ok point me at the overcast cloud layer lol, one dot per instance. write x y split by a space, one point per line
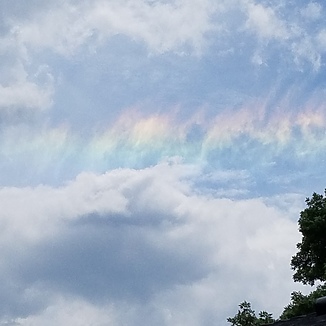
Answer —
155 156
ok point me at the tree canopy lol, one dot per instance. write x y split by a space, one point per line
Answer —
302 304
309 263
246 316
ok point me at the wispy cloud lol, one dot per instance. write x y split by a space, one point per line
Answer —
249 135
163 26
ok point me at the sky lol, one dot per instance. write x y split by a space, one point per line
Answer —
155 156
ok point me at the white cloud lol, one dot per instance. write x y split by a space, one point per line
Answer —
184 27
20 86
25 95
162 26
132 236
62 28
312 11
305 50
257 59
292 34
68 28
176 26
264 22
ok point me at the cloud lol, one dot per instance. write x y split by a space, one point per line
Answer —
139 236
176 26
162 26
248 139
24 95
71 312
306 49
70 32
294 35
321 40
264 21
151 175
312 11
70 29
20 86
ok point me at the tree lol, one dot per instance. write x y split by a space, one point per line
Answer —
264 318
246 316
302 304
309 263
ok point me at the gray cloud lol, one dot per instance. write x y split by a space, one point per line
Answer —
160 240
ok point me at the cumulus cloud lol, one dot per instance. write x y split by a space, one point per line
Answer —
142 238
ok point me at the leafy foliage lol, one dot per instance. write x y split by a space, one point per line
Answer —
309 263
302 304
264 318
246 316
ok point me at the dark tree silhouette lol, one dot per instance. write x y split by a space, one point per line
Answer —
309 263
